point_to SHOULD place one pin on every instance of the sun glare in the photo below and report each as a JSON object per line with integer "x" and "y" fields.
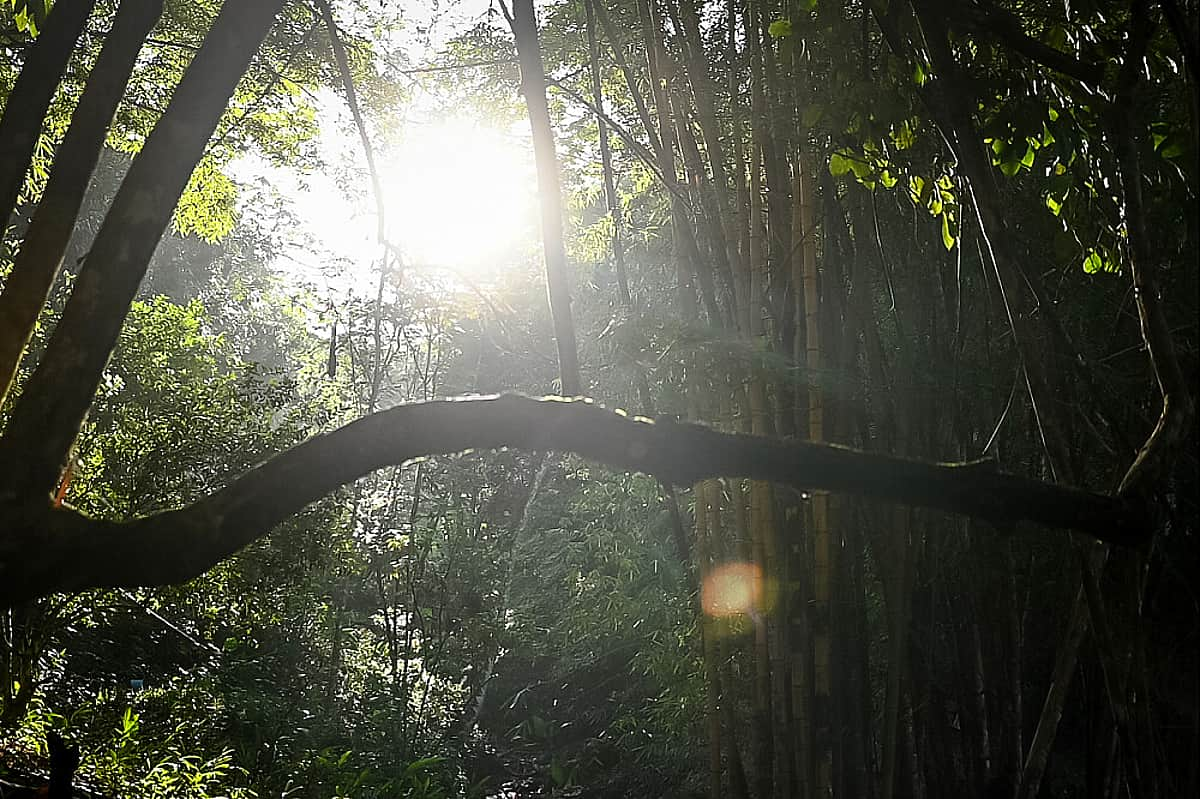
{"x": 459, "y": 195}
{"x": 732, "y": 589}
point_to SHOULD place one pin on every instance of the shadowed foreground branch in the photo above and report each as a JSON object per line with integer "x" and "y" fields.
{"x": 46, "y": 550}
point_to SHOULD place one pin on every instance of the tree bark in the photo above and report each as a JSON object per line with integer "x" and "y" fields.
{"x": 897, "y": 578}
{"x": 631, "y": 83}
{"x": 708, "y": 514}
{"x": 823, "y": 567}
{"x": 51, "y": 549}
{"x": 30, "y": 98}
{"x": 40, "y": 257}
{"x": 759, "y": 494}
{"x": 690, "y": 261}
{"x": 46, "y": 418}
{"x": 610, "y": 187}
{"x": 533, "y": 86}
{"x": 703, "y": 91}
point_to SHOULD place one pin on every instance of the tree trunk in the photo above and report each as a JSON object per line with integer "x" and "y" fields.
{"x": 30, "y": 98}
{"x": 533, "y": 86}
{"x": 822, "y": 560}
{"x": 40, "y": 257}
{"x": 706, "y": 506}
{"x": 1056, "y": 698}
{"x": 724, "y": 228}
{"x": 48, "y": 414}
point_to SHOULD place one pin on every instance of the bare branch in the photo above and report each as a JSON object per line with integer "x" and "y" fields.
{"x": 648, "y": 159}
{"x": 950, "y": 104}
{"x": 635, "y": 94}
{"x": 54, "y": 550}
{"x": 489, "y": 62}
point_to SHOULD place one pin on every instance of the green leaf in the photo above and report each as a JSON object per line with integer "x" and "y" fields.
{"x": 422, "y": 764}
{"x": 887, "y": 179}
{"x": 28, "y": 15}
{"x": 1059, "y": 184}
{"x": 919, "y": 76}
{"x": 902, "y": 135}
{"x": 948, "y": 238}
{"x": 1054, "y": 205}
{"x": 916, "y": 188}
{"x": 1093, "y": 263}
{"x": 861, "y": 169}
{"x": 839, "y": 164}
{"x": 1169, "y": 146}
{"x": 780, "y": 28}
{"x": 1027, "y": 159}
{"x": 1010, "y": 168}
{"x": 1056, "y": 37}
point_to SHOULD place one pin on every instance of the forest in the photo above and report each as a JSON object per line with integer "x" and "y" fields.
{"x": 500, "y": 399}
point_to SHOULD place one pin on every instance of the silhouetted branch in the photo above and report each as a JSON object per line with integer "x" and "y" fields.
{"x": 992, "y": 22}
{"x": 56, "y": 550}
{"x": 38, "y": 261}
{"x": 26, "y": 107}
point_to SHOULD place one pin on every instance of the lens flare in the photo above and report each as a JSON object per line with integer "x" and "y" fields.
{"x": 732, "y": 589}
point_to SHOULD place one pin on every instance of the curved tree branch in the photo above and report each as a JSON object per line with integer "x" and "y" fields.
{"x": 51, "y": 550}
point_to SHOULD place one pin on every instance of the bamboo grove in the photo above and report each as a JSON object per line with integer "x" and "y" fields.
{"x": 870, "y": 262}
{"x": 767, "y": 135}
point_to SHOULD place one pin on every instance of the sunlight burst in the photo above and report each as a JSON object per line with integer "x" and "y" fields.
{"x": 460, "y": 195}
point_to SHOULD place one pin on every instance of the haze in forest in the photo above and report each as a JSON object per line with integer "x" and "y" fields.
{"x": 738, "y": 399}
